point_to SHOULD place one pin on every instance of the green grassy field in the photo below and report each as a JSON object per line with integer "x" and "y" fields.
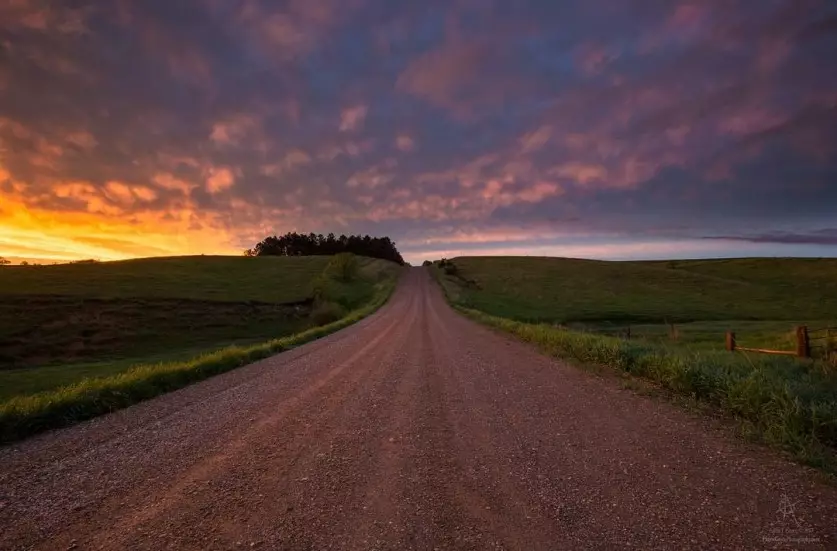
{"x": 762, "y": 300}
{"x": 217, "y": 278}
{"x": 327, "y": 294}
{"x": 568, "y": 290}
{"x": 61, "y": 324}
{"x": 580, "y": 309}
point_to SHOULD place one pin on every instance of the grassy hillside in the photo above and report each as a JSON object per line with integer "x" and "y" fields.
{"x": 61, "y": 324}
{"x": 219, "y": 278}
{"x": 568, "y": 290}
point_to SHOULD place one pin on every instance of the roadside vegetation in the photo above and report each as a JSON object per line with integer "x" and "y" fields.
{"x": 163, "y": 326}
{"x": 567, "y": 308}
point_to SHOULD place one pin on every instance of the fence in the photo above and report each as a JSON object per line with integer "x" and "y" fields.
{"x": 809, "y": 343}
{"x": 820, "y": 343}
{"x": 823, "y": 341}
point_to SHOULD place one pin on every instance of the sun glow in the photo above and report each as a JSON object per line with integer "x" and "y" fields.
{"x": 28, "y": 232}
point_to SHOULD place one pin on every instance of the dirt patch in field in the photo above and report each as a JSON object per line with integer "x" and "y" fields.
{"x": 41, "y": 330}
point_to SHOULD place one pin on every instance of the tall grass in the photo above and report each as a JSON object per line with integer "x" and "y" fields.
{"x": 27, "y": 415}
{"x": 784, "y": 402}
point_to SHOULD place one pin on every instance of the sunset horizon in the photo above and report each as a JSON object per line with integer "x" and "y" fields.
{"x": 590, "y": 130}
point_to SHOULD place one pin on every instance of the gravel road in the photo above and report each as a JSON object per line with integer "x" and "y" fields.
{"x": 413, "y": 429}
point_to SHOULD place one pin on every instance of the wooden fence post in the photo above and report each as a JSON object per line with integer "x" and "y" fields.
{"x": 628, "y": 334}
{"x": 730, "y": 341}
{"x": 803, "y": 343}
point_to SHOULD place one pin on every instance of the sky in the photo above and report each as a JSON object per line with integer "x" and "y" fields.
{"x": 589, "y": 128}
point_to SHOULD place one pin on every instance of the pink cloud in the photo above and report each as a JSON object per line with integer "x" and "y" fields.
{"x": 352, "y": 118}
{"x": 612, "y": 249}
{"x": 232, "y": 130}
{"x": 40, "y": 16}
{"x": 580, "y": 173}
{"x": 293, "y": 159}
{"x": 219, "y": 179}
{"x": 170, "y": 182}
{"x": 372, "y": 177}
{"x": 534, "y": 141}
{"x": 297, "y": 27}
{"x": 82, "y": 139}
{"x": 592, "y": 58}
{"x": 405, "y": 143}
{"x": 463, "y": 76}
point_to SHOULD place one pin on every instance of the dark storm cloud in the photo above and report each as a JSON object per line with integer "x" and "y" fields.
{"x": 826, "y": 236}
{"x": 425, "y": 120}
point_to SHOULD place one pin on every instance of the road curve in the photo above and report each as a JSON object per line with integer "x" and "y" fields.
{"x": 414, "y": 428}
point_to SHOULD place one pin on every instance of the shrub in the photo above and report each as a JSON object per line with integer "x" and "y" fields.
{"x": 427, "y": 263}
{"x": 321, "y": 287}
{"x": 325, "y": 312}
{"x": 343, "y": 267}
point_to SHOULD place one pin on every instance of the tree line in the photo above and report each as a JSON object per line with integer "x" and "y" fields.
{"x": 300, "y": 244}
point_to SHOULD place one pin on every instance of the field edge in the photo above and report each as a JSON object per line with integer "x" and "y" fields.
{"x": 27, "y": 416}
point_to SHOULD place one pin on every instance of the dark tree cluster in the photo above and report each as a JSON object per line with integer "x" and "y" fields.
{"x": 300, "y": 244}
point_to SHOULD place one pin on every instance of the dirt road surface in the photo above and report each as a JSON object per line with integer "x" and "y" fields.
{"x": 413, "y": 429}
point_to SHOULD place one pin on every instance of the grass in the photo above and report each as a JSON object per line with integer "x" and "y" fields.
{"x": 89, "y": 396}
{"x": 785, "y": 402}
{"x": 762, "y": 300}
{"x": 97, "y": 328}
{"x": 562, "y": 290}
{"x": 273, "y": 279}
{"x": 54, "y": 330}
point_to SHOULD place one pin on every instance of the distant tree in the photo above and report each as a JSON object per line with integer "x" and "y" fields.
{"x": 24, "y": 263}
{"x": 4, "y": 261}
{"x": 295, "y": 244}
{"x": 427, "y": 263}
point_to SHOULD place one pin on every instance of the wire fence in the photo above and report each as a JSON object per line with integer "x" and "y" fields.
{"x": 823, "y": 341}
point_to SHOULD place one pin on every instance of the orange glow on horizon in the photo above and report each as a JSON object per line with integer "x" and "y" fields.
{"x": 27, "y": 232}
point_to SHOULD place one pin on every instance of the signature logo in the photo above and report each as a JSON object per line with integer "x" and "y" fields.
{"x": 788, "y": 527}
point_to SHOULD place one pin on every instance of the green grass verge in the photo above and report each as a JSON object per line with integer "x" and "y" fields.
{"x": 787, "y": 403}
{"x": 783, "y": 402}
{"x": 24, "y": 416}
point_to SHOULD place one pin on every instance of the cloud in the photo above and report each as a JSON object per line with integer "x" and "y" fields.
{"x": 294, "y": 158}
{"x": 170, "y": 182}
{"x": 233, "y": 130}
{"x": 218, "y": 124}
{"x": 826, "y": 236}
{"x": 404, "y": 143}
{"x": 465, "y": 77}
{"x": 82, "y": 139}
{"x": 219, "y": 179}
{"x": 592, "y": 58}
{"x": 534, "y": 141}
{"x": 352, "y": 118}
{"x": 40, "y": 16}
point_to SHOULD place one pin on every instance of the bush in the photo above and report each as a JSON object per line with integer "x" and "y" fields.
{"x": 343, "y": 267}
{"x": 325, "y": 312}
{"x": 427, "y": 263}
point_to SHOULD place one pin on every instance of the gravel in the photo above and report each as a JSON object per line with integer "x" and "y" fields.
{"x": 415, "y": 428}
